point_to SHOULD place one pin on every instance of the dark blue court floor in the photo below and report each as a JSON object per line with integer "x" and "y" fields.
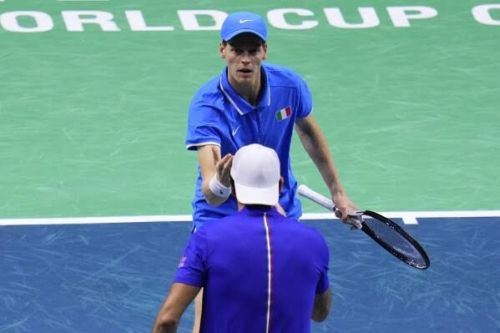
{"x": 113, "y": 278}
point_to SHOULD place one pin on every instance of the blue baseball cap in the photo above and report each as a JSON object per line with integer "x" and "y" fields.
{"x": 243, "y": 22}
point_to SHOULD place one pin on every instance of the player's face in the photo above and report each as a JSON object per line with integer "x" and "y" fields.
{"x": 244, "y": 56}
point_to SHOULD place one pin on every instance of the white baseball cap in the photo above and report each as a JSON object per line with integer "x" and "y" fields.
{"x": 256, "y": 174}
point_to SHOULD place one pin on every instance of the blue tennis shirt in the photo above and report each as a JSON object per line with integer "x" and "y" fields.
{"x": 219, "y": 116}
{"x": 260, "y": 272}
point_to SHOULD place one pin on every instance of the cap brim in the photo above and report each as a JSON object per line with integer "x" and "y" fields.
{"x": 242, "y": 31}
{"x": 257, "y": 196}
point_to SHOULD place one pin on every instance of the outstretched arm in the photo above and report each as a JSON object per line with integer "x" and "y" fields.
{"x": 315, "y": 144}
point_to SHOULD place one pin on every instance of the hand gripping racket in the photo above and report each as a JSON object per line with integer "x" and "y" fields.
{"x": 382, "y": 230}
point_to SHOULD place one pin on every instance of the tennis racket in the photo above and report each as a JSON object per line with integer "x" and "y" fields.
{"x": 382, "y": 230}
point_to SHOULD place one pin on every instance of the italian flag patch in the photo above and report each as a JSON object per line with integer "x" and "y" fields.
{"x": 284, "y": 113}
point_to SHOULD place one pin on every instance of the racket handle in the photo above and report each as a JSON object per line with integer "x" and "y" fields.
{"x": 318, "y": 198}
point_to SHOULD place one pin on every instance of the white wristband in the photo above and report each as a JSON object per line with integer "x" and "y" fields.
{"x": 219, "y": 189}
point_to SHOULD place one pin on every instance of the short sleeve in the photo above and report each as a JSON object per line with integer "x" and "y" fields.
{"x": 324, "y": 259}
{"x": 305, "y": 99}
{"x": 192, "y": 266}
{"x": 203, "y": 123}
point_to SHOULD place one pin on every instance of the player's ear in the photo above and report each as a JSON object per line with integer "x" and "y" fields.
{"x": 222, "y": 48}
{"x": 264, "y": 47}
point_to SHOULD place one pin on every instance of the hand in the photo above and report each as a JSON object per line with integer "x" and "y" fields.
{"x": 223, "y": 167}
{"x": 280, "y": 209}
{"x": 346, "y": 211}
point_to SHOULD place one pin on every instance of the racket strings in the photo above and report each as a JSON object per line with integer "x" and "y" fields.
{"x": 396, "y": 242}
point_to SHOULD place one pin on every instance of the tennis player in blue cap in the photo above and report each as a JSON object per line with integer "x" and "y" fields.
{"x": 260, "y": 271}
{"x": 253, "y": 102}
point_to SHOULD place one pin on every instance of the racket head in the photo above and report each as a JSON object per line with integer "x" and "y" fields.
{"x": 394, "y": 239}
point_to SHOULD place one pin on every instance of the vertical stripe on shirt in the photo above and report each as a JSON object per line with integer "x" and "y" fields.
{"x": 269, "y": 273}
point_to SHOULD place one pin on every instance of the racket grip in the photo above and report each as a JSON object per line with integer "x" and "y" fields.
{"x": 318, "y": 198}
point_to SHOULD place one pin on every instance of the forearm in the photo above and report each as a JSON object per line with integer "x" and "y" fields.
{"x": 215, "y": 174}
{"x": 316, "y": 146}
{"x": 210, "y": 196}
{"x": 165, "y": 325}
{"x": 169, "y": 316}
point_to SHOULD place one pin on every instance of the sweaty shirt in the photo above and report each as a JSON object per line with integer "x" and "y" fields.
{"x": 260, "y": 272}
{"x": 218, "y": 115}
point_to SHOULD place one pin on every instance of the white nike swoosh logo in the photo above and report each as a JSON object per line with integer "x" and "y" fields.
{"x": 234, "y": 131}
{"x": 244, "y": 21}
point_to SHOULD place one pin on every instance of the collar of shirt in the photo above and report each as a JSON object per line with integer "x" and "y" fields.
{"x": 238, "y": 102}
{"x": 258, "y": 212}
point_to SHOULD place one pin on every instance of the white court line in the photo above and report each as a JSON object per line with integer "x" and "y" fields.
{"x": 411, "y": 217}
{"x": 81, "y": 0}
{"x": 96, "y": 220}
{"x": 408, "y": 218}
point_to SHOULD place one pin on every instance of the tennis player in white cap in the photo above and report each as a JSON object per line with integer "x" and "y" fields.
{"x": 260, "y": 271}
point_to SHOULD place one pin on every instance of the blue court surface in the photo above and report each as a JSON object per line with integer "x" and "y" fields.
{"x": 113, "y": 278}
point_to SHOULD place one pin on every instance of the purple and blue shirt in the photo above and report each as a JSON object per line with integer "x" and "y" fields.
{"x": 260, "y": 272}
